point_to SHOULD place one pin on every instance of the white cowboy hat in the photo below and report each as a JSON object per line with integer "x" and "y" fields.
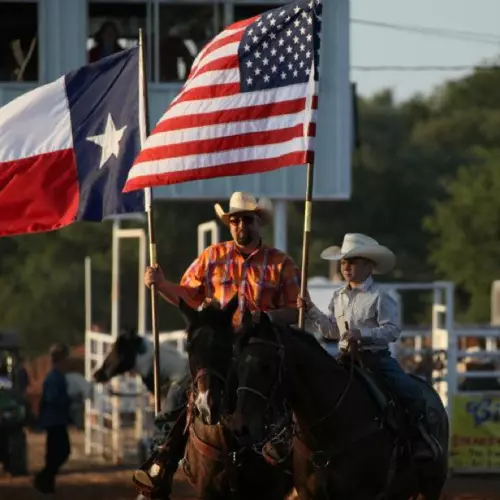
{"x": 360, "y": 245}
{"x": 243, "y": 203}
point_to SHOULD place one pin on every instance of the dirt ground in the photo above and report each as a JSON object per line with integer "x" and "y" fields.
{"x": 81, "y": 479}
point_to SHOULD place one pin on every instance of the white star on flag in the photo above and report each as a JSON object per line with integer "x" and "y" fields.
{"x": 109, "y": 141}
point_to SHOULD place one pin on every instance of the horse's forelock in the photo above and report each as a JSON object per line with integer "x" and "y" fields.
{"x": 246, "y": 333}
{"x": 204, "y": 337}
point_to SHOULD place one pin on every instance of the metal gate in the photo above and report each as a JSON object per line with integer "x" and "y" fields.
{"x": 115, "y": 425}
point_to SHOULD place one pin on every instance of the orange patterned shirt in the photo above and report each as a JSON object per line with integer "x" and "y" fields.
{"x": 266, "y": 279}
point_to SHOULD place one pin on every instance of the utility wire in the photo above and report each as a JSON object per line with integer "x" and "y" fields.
{"x": 402, "y": 68}
{"x": 466, "y": 36}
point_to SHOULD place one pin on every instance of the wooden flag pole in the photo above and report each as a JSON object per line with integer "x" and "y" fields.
{"x": 309, "y": 194}
{"x": 306, "y": 238}
{"x": 148, "y": 199}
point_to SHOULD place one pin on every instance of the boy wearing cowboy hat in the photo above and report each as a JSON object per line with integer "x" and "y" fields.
{"x": 266, "y": 280}
{"x": 364, "y": 313}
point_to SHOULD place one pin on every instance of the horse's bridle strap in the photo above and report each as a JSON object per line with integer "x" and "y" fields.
{"x": 253, "y": 391}
{"x": 204, "y": 372}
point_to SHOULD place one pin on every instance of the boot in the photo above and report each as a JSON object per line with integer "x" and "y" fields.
{"x": 155, "y": 477}
{"x": 425, "y": 447}
{"x": 44, "y": 483}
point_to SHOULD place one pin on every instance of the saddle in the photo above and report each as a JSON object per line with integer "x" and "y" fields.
{"x": 393, "y": 413}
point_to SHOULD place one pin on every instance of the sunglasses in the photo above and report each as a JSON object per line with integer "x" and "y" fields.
{"x": 246, "y": 219}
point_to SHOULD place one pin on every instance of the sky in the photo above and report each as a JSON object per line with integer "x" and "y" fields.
{"x": 375, "y": 46}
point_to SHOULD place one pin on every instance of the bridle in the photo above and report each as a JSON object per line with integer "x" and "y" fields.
{"x": 280, "y": 350}
{"x": 206, "y": 372}
{"x": 274, "y": 396}
{"x": 278, "y": 345}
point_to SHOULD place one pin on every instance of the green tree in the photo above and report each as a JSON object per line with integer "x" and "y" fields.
{"x": 42, "y": 283}
{"x": 466, "y": 227}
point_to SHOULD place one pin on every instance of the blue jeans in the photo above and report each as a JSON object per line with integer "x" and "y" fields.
{"x": 172, "y": 406}
{"x": 405, "y": 387}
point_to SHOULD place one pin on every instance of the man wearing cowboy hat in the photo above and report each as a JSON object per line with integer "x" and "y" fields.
{"x": 266, "y": 280}
{"x": 363, "y": 312}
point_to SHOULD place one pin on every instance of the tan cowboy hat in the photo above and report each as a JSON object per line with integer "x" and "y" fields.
{"x": 243, "y": 203}
{"x": 360, "y": 245}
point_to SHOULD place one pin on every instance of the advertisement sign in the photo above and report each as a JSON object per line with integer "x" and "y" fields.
{"x": 475, "y": 428}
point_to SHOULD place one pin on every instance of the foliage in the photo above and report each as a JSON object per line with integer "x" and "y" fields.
{"x": 467, "y": 230}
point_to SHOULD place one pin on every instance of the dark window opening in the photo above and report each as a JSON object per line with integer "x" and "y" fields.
{"x": 184, "y": 31}
{"x": 19, "y": 41}
{"x": 250, "y": 10}
{"x": 113, "y": 27}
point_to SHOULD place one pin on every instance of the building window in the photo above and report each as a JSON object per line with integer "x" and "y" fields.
{"x": 248, "y": 10}
{"x": 19, "y": 41}
{"x": 113, "y": 27}
{"x": 175, "y": 30}
{"x": 184, "y": 30}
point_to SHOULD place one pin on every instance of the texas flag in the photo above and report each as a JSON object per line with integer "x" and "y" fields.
{"x": 66, "y": 148}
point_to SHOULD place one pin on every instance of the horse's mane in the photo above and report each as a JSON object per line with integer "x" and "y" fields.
{"x": 307, "y": 338}
{"x": 299, "y": 334}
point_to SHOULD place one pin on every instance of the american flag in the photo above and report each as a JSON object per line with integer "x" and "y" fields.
{"x": 248, "y": 105}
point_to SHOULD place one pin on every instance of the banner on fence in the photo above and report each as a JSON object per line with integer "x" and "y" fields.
{"x": 475, "y": 427}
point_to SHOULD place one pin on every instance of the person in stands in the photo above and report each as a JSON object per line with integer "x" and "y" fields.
{"x": 106, "y": 42}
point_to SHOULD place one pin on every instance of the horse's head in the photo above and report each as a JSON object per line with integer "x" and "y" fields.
{"x": 209, "y": 345}
{"x": 260, "y": 368}
{"x": 121, "y": 358}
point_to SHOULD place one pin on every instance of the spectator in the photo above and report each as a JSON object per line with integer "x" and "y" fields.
{"x": 172, "y": 50}
{"x": 106, "y": 40}
{"x": 4, "y": 376}
{"x": 54, "y": 419}
{"x": 24, "y": 378}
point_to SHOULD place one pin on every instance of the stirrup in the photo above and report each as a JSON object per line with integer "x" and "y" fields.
{"x": 432, "y": 443}
{"x": 143, "y": 481}
{"x": 147, "y": 488}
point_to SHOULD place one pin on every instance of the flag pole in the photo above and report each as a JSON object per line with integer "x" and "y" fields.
{"x": 148, "y": 202}
{"x": 309, "y": 106}
{"x": 306, "y": 238}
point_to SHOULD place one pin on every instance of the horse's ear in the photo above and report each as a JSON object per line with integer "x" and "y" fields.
{"x": 246, "y": 321}
{"x": 231, "y": 306}
{"x": 131, "y": 333}
{"x": 189, "y": 314}
{"x": 265, "y": 320}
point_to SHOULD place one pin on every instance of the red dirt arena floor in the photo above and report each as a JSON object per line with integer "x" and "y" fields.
{"x": 82, "y": 479}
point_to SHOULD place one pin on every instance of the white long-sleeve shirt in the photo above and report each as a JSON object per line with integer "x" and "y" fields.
{"x": 368, "y": 308}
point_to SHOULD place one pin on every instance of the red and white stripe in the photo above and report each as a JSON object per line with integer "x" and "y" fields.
{"x": 211, "y": 129}
{"x": 38, "y": 174}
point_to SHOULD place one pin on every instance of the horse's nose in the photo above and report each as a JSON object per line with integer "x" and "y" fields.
{"x": 204, "y": 404}
{"x": 240, "y": 430}
{"x": 99, "y": 375}
{"x": 238, "y": 425}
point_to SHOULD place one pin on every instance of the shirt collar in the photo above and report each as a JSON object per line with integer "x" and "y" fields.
{"x": 364, "y": 287}
{"x": 259, "y": 248}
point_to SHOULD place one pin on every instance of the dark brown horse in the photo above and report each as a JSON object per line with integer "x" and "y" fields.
{"x": 216, "y": 463}
{"x": 343, "y": 445}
